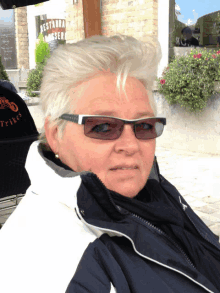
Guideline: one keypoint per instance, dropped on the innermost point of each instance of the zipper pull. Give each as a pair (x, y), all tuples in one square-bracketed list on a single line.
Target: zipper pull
[(184, 206)]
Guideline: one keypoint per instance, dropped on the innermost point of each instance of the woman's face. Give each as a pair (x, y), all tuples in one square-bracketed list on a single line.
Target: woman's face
[(187, 35), (99, 96)]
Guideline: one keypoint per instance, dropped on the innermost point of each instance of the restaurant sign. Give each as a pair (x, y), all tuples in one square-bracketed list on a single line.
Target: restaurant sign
[(53, 30)]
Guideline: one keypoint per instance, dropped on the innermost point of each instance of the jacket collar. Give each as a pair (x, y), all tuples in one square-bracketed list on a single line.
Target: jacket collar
[(57, 183), (51, 181)]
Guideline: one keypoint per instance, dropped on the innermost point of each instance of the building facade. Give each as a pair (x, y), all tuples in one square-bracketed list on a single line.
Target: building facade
[(62, 21), (48, 19)]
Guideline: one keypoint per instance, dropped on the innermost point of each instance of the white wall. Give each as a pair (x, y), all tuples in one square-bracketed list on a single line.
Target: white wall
[(163, 33), (53, 9)]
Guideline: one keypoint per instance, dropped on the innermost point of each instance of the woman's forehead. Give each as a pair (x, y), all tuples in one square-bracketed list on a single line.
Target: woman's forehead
[(104, 87), (101, 94), (112, 107), (107, 82)]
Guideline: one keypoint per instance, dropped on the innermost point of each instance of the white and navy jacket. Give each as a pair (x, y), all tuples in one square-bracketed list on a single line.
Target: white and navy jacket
[(67, 235)]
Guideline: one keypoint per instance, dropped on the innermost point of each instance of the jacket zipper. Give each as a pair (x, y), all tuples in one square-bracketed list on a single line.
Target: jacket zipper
[(155, 228), (161, 232), (135, 247), (184, 208), (104, 230)]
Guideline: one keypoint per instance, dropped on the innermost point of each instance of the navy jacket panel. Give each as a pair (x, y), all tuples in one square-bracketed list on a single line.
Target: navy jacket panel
[(90, 276), (112, 260), (151, 275), (148, 244), (153, 247)]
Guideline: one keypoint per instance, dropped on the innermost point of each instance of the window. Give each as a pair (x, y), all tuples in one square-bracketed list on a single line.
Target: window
[(195, 23), (7, 39)]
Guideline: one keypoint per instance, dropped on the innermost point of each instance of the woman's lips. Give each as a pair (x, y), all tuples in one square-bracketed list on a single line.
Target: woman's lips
[(126, 172), (124, 168)]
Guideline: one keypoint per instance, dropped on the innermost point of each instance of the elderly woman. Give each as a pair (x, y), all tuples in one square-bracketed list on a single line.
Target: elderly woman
[(93, 219)]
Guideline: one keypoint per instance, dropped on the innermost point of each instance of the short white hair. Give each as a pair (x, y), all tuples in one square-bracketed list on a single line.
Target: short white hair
[(72, 64)]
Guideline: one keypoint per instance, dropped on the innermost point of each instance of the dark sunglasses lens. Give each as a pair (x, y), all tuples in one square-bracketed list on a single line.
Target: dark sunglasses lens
[(103, 128), (148, 128)]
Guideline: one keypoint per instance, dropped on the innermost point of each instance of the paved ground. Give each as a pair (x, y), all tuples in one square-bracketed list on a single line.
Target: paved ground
[(197, 178)]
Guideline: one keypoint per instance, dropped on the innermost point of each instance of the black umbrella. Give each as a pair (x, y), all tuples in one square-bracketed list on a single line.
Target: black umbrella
[(10, 4)]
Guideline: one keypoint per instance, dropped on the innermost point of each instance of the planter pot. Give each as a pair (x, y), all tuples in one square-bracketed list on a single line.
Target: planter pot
[(187, 131)]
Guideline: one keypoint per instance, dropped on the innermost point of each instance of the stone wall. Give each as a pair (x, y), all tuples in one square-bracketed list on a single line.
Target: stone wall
[(22, 43), (182, 51), (74, 21), (19, 78), (136, 18)]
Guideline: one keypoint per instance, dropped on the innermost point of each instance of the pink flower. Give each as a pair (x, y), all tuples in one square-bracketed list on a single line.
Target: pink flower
[(214, 56), (197, 56), (218, 52), (207, 59), (162, 81)]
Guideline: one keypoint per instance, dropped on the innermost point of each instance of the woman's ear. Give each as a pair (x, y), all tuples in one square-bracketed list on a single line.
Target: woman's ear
[(51, 132)]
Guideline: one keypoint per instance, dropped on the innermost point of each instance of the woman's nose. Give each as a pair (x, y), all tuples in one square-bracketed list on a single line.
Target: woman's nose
[(127, 140)]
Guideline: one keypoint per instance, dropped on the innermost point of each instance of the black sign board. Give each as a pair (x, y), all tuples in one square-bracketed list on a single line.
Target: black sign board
[(10, 4)]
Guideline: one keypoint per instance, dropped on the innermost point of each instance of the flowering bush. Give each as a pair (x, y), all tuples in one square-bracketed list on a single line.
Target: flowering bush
[(189, 80)]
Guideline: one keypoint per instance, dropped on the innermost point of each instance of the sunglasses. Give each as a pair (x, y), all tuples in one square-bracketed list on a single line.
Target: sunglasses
[(109, 128)]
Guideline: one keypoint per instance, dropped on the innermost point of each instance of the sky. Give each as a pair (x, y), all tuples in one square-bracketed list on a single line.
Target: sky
[(191, 10), (6, 17)]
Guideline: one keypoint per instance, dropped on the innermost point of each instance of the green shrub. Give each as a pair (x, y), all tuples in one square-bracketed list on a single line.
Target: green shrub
[(42, 50), (189, 80), (42, 53), (3, 73), (34, 78)]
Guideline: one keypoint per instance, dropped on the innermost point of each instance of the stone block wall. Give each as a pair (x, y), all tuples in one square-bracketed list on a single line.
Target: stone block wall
[(22, 43), (19, 78), (136, 18), (74, 21), (183, 51)]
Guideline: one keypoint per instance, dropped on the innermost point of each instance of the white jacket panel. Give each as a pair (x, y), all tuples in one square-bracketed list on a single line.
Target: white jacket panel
[(44, 230)]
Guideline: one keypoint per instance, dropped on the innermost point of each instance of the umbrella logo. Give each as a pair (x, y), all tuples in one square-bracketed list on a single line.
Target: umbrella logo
[(4, 103)]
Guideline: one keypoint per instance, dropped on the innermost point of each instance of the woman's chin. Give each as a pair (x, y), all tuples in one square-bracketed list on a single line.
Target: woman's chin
[(127, 191), (128, 185)]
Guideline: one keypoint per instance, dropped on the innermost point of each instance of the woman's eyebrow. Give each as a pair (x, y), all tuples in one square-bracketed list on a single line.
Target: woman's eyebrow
[(114, 114), (144, 114)]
